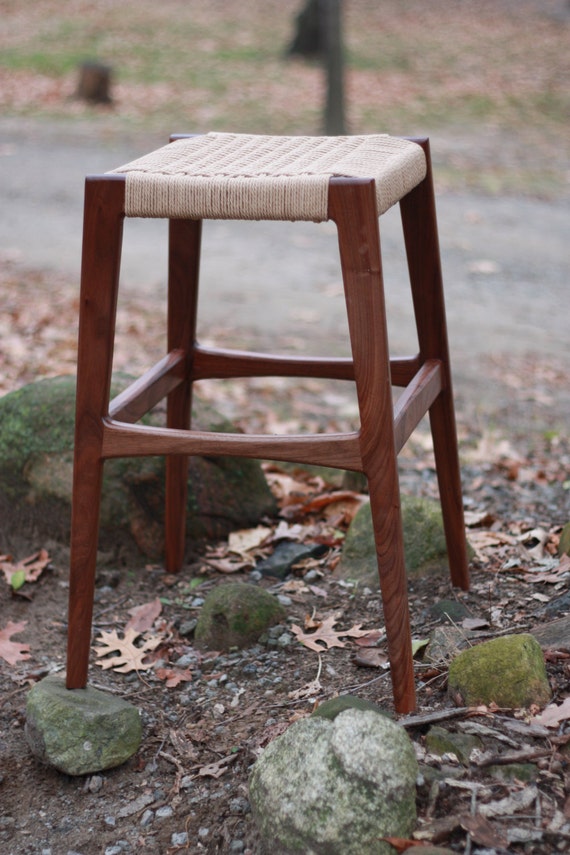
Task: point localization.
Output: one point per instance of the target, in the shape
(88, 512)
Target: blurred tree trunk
(319, 34)
(334, 64)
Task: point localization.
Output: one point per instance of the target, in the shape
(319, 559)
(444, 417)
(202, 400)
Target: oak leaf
(12, 651)
(143, 617)
(326, 635)
(130, 657)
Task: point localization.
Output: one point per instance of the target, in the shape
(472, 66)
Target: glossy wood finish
(105, 430)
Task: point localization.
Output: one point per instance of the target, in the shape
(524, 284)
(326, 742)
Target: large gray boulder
(36, 461)
(80, 731)
(335, 786)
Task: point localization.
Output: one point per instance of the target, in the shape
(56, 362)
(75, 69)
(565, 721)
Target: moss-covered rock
(441, 741)
(36, 462)
(508, 671)
(235, 615)
(424, 542)
(335, 786)
(80, 731)
(331, 708)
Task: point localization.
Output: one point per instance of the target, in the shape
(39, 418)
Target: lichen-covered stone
(507, 671)
(335, 786)
(235, 615)
(36, 463)
(80, 731)
(424, 542)
(333, 706)
(442, 741)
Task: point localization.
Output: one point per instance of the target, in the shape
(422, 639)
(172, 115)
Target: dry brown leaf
(554, 714)
(143, 617)
(372, 657)
(228, 565)
(30, 568)
(12, 651)
(130, 657)
(217, 769)
(325, 634)
(248, 539)
(173, 676)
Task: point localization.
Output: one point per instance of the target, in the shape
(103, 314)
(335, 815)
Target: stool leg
(354, 210)
(183, 271)
(424, 264)
(102, 236)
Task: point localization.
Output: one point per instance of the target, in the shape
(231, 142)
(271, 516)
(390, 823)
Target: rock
(564, 544)
(508, 671)
(555, 634)
(335, 786)
(331, 708)
(80, 731)
(441, 741)
(448, 611)
(285, 556)
(36, 474)
(446, 642)
(235, 615)
(424, 542)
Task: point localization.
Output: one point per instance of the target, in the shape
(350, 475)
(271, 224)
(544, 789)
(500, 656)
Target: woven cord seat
(349, 180)
(248, 177)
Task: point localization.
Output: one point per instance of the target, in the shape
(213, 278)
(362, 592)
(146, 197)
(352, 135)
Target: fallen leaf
(327, 635)
(372, 657)
(130, 656)
(27, 570)
(143, 617)
(12, 651)
(484, 833)
(173, 676)
(243, 541)
(217, 769)
(554, 714)
(474, 623)
(228, 565)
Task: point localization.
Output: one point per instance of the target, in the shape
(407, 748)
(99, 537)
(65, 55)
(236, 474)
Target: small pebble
(237, 846)
(95, 783)
(187, 627)
(110, 821)
(164, 812)
(179, 838)
(203, 832)
(147, 818)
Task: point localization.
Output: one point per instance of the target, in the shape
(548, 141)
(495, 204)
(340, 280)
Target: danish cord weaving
(256, 177)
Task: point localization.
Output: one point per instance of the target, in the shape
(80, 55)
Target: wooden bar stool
(350, 180)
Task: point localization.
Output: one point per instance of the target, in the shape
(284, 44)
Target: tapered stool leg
(102, 236)
(183, 272)
(422, 248)
(354, 210)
